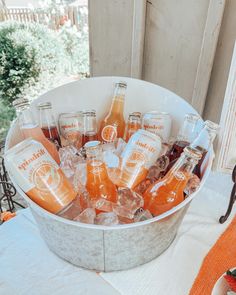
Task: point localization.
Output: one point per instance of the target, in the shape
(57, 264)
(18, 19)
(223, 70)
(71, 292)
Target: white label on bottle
(109, 133)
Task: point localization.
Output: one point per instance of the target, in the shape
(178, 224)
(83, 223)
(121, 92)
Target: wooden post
(116, 37)
(75, 16)
(207, 53)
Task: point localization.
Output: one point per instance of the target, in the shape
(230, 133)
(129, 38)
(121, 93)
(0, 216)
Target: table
(28, 267)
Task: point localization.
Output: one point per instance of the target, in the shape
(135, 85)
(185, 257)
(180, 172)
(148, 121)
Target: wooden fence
(53, 20)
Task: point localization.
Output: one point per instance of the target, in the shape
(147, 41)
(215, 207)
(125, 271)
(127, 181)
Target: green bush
(17, 65)
(76, 45)
(7, 113)
(34, 59)
(31, 57)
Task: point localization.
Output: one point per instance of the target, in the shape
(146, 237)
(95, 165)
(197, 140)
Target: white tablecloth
(28, 267)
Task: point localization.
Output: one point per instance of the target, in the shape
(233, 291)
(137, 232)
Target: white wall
(180, 40)
(173, 37)
(222, 62)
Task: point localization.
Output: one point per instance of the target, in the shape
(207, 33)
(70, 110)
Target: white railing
(53, 19)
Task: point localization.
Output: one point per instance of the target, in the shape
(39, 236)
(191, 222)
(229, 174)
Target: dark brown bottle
(185, 137)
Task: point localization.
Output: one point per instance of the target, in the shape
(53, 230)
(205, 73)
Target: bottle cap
(211, 125)
(192, 117)
(92, 144)
(19, 102)
(44, 105)
(135, 114)
(89, 112)
(121, 84)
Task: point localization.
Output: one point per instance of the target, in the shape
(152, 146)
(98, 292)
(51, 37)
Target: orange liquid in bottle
(166, 193)
(52, 134)
(98, 183)
(89, 136)
(132, 127)
(113, 125)
(36, 133)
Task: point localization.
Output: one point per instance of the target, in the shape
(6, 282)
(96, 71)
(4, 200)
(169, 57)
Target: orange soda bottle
(98, 183)
(113, 125)
(133, 124)
(30, 128)
(168, 192)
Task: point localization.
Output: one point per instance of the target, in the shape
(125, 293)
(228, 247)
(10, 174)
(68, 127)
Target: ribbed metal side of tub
(112, 249)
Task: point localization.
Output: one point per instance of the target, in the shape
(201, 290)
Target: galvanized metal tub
(119, 247)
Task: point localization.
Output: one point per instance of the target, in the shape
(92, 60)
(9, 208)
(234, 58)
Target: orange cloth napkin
(219, 259)
(6, 215)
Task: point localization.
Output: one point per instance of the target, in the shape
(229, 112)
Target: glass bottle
(71, 128)
(168, 192)
(98, 183)
(203, 142)
(48, 124)
(30, 128)
(113, 125)
(89, 132)
(186, 135)
(133, 124)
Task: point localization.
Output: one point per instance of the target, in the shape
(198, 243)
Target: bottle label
(140, 153)
(158, 123)
(39, 176)
(109, 133)
(69, 126)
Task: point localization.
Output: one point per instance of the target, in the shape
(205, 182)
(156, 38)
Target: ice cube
(73, 210)
(120, 146)
(142, 186)
(124, 220)
(69, 160)
(80, 176)
(111, 159)
(129, 199)
(109, 155)
(192, 185)
(114, 174)
(87, 216)
(142, 215)
(123, 211)
(103, 205)
(107, 206)
(84, 200)
(109, 218)
(162, 163)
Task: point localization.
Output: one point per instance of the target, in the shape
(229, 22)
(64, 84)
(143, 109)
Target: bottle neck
(96, 168)
(117, 106)
(205, 139)
(134, 121)
(182, 169)
(89, 123)
(25, 117)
